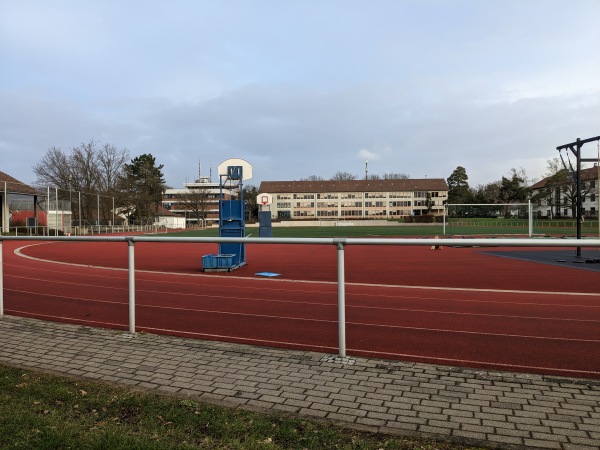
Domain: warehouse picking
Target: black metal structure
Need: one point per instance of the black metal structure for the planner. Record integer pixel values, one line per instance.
(575, 147)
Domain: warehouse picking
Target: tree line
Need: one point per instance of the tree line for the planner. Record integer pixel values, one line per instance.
(103, 172)
(558, 191)
(137, 185)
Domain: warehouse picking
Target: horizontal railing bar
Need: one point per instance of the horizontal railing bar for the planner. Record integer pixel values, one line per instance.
(449, 242)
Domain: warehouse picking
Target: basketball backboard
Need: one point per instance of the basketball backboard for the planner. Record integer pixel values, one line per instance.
(264, 199)
(223, 168)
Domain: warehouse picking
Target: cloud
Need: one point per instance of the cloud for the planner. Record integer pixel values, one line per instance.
(301, 89)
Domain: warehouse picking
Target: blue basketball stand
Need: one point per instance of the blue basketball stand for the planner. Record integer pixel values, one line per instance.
(232, 224)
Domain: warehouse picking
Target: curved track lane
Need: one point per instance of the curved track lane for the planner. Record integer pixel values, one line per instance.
(454, 313)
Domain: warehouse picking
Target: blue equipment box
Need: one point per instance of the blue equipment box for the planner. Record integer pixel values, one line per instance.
(217, 261)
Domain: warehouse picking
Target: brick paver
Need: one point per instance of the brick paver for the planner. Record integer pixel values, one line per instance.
(496, 409)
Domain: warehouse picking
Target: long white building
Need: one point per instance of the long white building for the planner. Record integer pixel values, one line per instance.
(356, 199)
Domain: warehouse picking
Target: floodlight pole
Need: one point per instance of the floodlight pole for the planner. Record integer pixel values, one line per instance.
(575, 147)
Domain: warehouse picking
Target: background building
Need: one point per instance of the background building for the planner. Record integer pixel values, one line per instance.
(555, 196)
(197, 202)
(356, 199)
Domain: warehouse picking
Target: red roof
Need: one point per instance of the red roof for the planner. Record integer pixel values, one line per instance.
(394, 185)
(586, 175)
(14, 186)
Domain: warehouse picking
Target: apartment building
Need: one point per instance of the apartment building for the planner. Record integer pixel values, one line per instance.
(198, 202)
(556, 199)
(355, 199)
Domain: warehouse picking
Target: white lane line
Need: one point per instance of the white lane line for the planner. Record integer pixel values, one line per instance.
(18, 252)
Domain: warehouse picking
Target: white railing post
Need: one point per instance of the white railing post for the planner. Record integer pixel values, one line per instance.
(1, 283)
(341, 299)
(131, 277)
(530, 217)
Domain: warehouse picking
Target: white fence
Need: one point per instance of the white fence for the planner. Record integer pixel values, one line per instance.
(340, 243)
(89, 230)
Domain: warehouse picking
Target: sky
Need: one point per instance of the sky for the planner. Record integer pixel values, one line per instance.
(302, 87)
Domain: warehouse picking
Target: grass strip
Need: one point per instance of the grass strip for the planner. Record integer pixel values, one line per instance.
(43, 411)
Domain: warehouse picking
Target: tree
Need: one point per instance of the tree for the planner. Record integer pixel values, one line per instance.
(560, 190)
(513, 190)
(89, 169)
(196, 200)
(313, 178)
(250, 192)
(141, 188)
(343, 176)
(486, 193)
(395, 176)
(429, 202)
(53, 170)
(458, 186)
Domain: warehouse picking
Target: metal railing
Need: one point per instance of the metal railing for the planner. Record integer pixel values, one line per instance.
(340, 244)
(84, 230)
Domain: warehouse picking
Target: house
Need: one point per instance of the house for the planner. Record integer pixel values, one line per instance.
(168, 219)
(556, 195)
(356, 199)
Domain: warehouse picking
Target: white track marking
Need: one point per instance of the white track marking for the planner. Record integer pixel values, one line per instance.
(18, 252)
(312, 320)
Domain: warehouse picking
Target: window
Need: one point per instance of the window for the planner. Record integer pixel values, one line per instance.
(327, 196)
(351, 195)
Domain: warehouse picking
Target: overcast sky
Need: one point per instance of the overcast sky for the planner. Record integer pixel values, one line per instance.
(302, 87)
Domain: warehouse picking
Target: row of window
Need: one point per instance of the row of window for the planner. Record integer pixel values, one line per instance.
(176, 196)
(347, 196)
(355, 204)
(346, 213)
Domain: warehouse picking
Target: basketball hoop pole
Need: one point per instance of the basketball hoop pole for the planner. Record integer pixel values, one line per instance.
(575, 147)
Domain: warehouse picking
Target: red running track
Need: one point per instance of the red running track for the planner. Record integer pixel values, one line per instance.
(457, 306)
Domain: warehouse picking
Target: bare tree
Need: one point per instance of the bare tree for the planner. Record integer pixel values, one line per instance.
(343, 176)
(395, 176)
(560, 189)
(195, 200)
(89, 170)
(54, 169)
(110, 166)
(313, 178)
(110, 162)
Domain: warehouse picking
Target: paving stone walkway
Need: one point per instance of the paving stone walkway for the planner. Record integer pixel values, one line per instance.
(494, 409)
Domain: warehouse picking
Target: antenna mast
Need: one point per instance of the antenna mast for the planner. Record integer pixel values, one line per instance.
(366, 169)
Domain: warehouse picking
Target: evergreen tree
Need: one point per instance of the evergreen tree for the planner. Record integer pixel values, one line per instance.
(141, 188)
(458, 186)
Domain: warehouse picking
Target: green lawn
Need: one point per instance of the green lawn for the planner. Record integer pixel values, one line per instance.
(466, 227)
(39, 411)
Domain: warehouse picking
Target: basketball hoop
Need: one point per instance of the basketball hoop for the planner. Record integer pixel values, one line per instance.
(264, 200)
